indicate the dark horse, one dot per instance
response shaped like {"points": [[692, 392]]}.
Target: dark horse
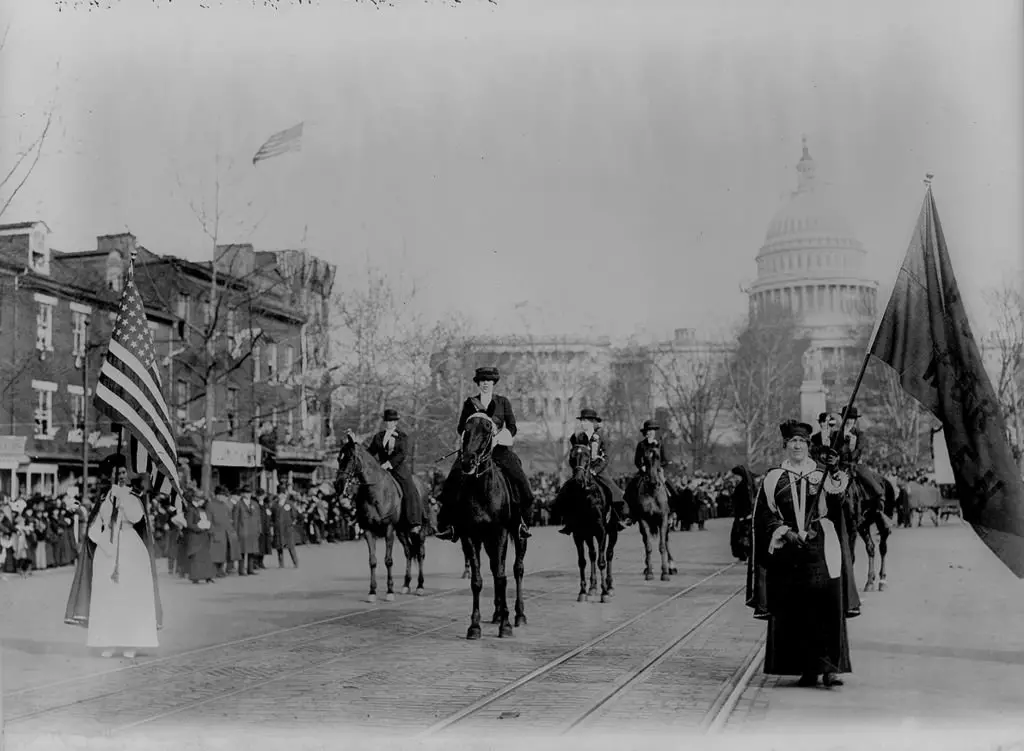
{"points": [[592, 526], [869, 496], [437, 479], [378, 502], [484, 518], [651, 512]]}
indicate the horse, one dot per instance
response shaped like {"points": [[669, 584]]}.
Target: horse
{"points": [[378, 502], [592, 526], [437, 479], [866, 497], [484, 518], [651, 511]]}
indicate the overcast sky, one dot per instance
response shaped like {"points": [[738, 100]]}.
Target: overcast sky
{"points": [[614, 163]]}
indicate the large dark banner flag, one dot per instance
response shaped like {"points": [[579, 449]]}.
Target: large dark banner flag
{"points": [[926, 338]]}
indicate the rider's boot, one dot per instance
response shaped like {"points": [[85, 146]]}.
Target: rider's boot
{"points": [[565, 530]]}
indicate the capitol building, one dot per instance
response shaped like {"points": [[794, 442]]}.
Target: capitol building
{"points": [[812, 264]]}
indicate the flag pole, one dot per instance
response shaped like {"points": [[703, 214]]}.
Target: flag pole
{"points": [[871, 345]]}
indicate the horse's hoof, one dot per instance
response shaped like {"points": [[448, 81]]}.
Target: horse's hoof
{"points": [[582, 597], [389, 597], [506, 630], [520, 620], [882, 585], [405, 590], [465, 574], [610, 593], [648, 577], [473, 633], [665, 576], [591, 593], [604, 597], [673, 570], [869, 587], [371, 597], [421, 592]]}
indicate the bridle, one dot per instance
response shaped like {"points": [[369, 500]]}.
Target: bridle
{"points": [[584, 467], [485, 462]]}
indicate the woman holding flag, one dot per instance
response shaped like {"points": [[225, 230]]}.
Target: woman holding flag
{"points": [[114, 593]]}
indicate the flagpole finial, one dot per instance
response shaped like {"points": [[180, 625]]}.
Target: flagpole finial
{"points": [[928, 178]]}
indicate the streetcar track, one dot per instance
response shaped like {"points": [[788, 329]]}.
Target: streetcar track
{"points": [[453, 620], [718, 716], [378, 607], [549, 666], [624, 682], [435, 597]]}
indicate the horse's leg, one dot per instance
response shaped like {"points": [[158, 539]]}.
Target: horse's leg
{"points": [[602, 564], [497, 549], [518, 570], [581, 557], [421, 555], [869, 548], [592, 550], [663, 547], [609, 554], [671, 562], [467, 571], [883, 549], [389, 560], [476, 583], [407, 542], [645, 533], [371, 544]]}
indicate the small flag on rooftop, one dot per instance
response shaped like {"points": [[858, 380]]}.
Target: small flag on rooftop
{"points": [[279, 143]]}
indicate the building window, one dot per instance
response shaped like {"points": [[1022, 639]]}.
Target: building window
{"points": [[78, 322], [114, 279], [288, 424], [256, 419], [271, 361], [43, 414], [207, 312], [44, 326], [230, 323], [232, 410], [273, 417], [256, 363], [77, 397], [289, 361], [183, 399]]}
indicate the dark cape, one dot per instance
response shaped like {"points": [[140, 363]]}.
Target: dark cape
{"points": [[805, 604], [80, 598]]}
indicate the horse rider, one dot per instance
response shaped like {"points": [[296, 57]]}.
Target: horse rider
{"points": [[499, 409], [389, 447], [590, 436], [827, 424], [649, 433]]}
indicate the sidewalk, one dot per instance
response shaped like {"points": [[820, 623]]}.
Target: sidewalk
{"points": [[942, 649]]}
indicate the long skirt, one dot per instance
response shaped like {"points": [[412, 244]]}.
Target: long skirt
{"points": [[122, 614], [200, 563]]}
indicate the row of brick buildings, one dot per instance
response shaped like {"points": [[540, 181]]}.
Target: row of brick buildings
{"points": [[250, 329]]}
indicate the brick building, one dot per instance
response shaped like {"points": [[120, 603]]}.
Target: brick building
{"points": [[56, 314]]}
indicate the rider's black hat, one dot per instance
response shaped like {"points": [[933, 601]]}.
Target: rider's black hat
{"points": [[795, 429], [650, 425], [853, 414], [112, 462], [390, 415], [588, 414], [486, 374]]}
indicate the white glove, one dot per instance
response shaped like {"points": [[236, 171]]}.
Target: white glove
{"points": [[503, 438], [386, 465]]}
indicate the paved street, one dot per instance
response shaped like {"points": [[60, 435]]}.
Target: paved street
{"points": [[299, 652]]}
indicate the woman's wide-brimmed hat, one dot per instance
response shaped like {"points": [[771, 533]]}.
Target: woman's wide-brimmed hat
{"points": [[486, 374], [588, 414], [650, 425], [390, 415], [795, 429]]}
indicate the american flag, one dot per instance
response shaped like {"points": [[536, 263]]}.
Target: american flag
{"points": [[279, 143], [129, 392]]}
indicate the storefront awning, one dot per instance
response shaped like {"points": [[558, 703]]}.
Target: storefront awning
{"points": [[12, 452]]}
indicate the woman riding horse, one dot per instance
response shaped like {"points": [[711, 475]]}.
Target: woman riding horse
{"points": [[499, 409], [650, 438], [590, 437]]}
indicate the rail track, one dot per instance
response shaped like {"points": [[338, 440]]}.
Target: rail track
{"points": [[193, 686]]}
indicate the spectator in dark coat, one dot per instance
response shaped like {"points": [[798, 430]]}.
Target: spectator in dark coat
{"points": [[286, 516]]}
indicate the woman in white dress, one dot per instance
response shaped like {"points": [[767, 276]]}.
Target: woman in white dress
{"points": [[114, 592]]}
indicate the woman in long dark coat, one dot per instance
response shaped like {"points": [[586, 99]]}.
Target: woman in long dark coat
{"points": [[798, 533], [200, 564]]}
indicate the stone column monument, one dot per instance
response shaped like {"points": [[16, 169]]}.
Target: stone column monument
{"points": [[812, 391]]}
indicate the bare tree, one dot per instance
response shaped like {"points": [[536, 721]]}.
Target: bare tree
{"points": [[1006, 345], [694, 385], [24, 162], [763, 375], [628, 402]]}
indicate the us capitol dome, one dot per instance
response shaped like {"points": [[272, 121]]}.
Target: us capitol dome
{"points": [[813, 264]]}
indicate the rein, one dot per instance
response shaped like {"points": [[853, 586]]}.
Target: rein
{"points": [[485, 464]]}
